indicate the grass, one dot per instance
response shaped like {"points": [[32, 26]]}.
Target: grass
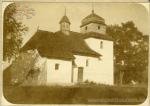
{"points": [[77, 94]]}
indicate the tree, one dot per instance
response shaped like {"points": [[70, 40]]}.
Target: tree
{"points": [[13, 29], [130, 50], [23, 69]]}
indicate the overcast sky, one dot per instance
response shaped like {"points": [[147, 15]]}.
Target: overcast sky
{"points": [[48, 15]]}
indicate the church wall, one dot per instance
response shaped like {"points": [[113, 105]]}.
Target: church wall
{"points": [[80, 62], [93, 27], [106, 65], [95, 71], [62, 74]]}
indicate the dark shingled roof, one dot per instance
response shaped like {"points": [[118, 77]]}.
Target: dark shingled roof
{"points": [[64, 19], [92, 18], [97, 35], [58, 45]]}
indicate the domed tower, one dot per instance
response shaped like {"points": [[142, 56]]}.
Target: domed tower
{"points": [[65, 25], [93, 28], [93, 23]]}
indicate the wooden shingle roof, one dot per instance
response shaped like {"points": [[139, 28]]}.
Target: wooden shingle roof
{"points": [[92, 18], [64, 19], [60, 46], [97, 35]]}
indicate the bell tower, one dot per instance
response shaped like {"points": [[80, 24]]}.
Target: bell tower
{"points": [[65, 24], [93, 23]]}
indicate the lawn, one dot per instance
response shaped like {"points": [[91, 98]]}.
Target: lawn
{"points": [[77, 94]]}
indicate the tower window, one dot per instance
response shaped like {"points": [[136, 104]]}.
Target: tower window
{"points": [[87, 62], [101, 44], [56, 66], [86, 28], [98, 27]]}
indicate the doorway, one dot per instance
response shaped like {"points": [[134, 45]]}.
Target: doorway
{"points": [[80, 74]]}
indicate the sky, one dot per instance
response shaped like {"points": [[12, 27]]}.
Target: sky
{"points": [[48, 15]]}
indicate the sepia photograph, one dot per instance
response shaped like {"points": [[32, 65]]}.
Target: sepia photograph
{"points": [[75, 53]]}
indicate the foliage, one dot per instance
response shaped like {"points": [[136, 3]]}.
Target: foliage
{"points": [[13, 30], [130, 50], [22, 69]]}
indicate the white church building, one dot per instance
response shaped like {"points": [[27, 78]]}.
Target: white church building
{"points": [[67, 57]]}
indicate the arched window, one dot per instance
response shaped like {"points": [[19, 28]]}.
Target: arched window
{"points": [[98, 27], [101, 44]]}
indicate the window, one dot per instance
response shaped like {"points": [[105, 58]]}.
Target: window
{"points": [[56, 66], [98, 27], [87, 62], [101, 44], [86, 28]]}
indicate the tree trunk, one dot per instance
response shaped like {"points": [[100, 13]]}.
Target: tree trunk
{"points": [[121, 74]]}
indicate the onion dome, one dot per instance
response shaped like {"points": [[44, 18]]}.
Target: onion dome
{"points": [[64, 19], [92, 18]]}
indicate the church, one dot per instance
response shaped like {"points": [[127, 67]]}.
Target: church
{"points": [[68, 57]]}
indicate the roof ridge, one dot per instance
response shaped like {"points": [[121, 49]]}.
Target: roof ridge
{"points": [[93, 14], [44, 31]]}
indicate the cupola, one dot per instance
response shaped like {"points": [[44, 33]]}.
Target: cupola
{"points": [[65, 25], [93, 23]]}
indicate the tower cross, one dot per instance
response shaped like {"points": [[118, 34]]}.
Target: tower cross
{"points": [[93, 7], [65, 11]]}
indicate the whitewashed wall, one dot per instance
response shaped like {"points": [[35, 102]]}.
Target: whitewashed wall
{"points": [[93, 27], [87, 70], [96, 70], [105, 67], [60, 76]]}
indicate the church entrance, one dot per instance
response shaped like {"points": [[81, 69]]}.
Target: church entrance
{"points": [[80, 74]]}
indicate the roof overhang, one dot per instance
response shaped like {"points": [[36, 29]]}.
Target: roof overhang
{"points": [[97, 36]]}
